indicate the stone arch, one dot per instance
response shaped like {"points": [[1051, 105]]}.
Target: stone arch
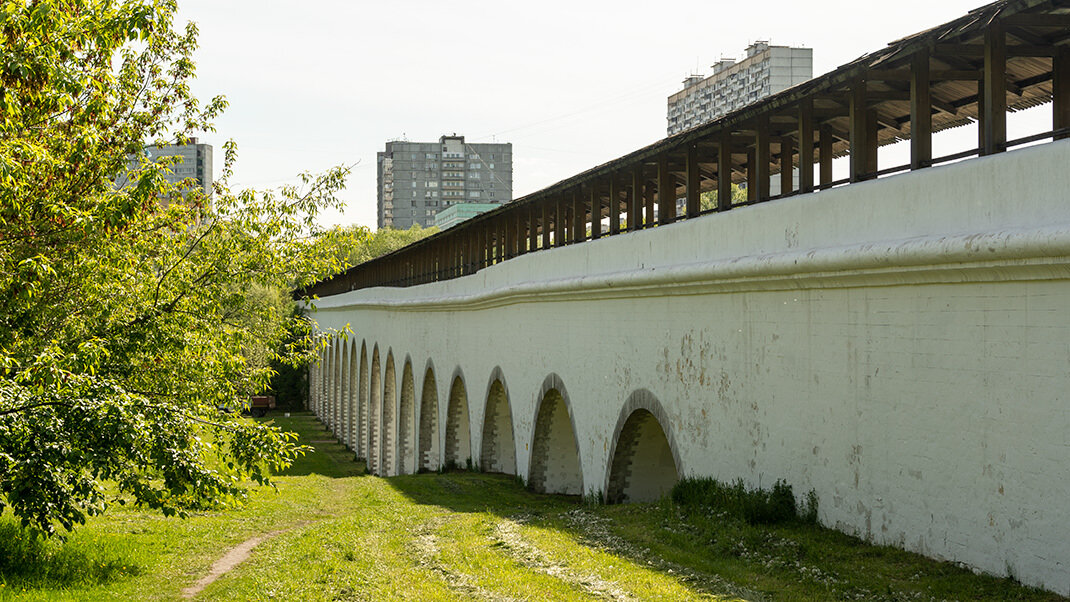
{"points": [[555, 465], [362, 401], [376, 403], [644, 461], [407, 421], [458, 448], [428, 446], [390, 418], [498, 453], [352, 407]]}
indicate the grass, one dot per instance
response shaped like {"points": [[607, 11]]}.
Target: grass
{"points": [[343, 535]]}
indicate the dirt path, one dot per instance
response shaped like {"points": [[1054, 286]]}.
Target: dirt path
{"points": [[234, 556]]}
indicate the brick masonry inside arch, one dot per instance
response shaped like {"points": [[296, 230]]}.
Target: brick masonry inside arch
{"points": [[389, 425], [498, 450], [642, 468], [555, 458], [407, 422], [429, 423], [458, 452]]}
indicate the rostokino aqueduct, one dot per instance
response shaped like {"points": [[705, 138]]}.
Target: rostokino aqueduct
{"points": [[898, 341]]}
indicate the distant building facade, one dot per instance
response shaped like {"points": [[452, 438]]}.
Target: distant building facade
{"points": [[416, 180], [196, 163], [766, 70], [459, 212]]}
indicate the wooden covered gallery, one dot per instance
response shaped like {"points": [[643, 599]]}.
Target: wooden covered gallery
{"points": [[1007, 56]]}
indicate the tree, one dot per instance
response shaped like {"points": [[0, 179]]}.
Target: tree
{"points": [[130, 315], [708, 200]]}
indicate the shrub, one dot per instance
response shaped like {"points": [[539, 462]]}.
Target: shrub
{"points": [[754, 506]]}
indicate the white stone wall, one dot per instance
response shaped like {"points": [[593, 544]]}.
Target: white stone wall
{"points": [[901, 346]]}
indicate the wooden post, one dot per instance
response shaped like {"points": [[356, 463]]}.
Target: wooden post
{"points": [[787, 181], [806, 145], [635, 220], [761, 158], [596, 212], [995, 90], [648, 206], [545, 223], [724, 171], [614, 204], [579, 213], [859, 130], [694, 180], [521, 230], [1060, 84], [921, 112], [559, 221], [533, 227], [666, 191], [824, 153], [752, 174]]}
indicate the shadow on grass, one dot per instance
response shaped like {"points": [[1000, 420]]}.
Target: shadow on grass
{"points": [[709, 552], [30, 561]]}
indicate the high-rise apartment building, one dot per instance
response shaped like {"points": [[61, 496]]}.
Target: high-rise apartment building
{"points": [[196, 163], [766, 70], [418, 179]]}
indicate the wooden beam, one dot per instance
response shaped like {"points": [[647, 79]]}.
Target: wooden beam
{"points": [[694, 181], [666, 191], [921, 116], [995, 91], [1044, 20], [724, 171]]}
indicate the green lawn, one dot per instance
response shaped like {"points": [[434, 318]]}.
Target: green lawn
{"points": [[341, 535]]}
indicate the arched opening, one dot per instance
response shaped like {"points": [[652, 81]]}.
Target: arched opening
{"points": [[390, 419], [498, 453], [642, 467], [333, 389], [429, 422], [458, 430], [555, 456], [362, 401], [407, 422], [352, 407], [343, 394], [376, 390]]}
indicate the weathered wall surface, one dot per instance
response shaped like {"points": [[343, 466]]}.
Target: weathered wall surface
{"points": [[900, 346]]}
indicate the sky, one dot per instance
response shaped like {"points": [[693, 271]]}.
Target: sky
{"points": [[571, 85]]}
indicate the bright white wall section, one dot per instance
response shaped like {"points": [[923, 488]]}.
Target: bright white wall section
{"points": [[901, 346]]}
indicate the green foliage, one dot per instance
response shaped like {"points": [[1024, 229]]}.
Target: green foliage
{"points": [[754, 506], [129, 314], [708, 200], [360, 244]]}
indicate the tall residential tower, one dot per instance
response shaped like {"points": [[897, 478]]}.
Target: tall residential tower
{"points": [[766, 70], [418, 179]]}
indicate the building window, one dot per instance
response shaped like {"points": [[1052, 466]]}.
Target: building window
{"points": [[490, 166]]}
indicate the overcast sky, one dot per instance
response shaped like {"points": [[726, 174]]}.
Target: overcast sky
{"points": [[319, 83]]}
